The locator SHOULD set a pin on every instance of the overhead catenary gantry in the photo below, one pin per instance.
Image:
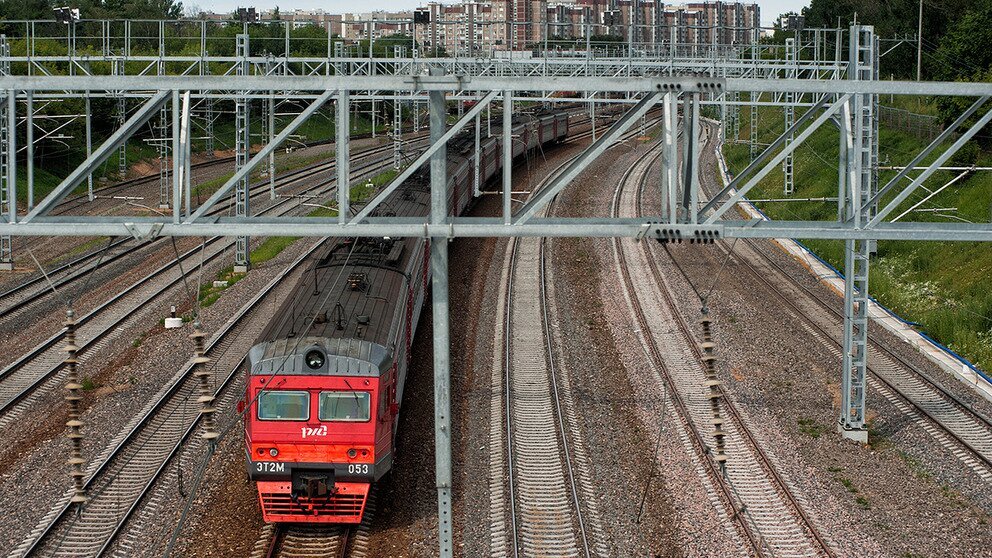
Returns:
(844, 97)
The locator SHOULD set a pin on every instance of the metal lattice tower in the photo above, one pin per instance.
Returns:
(162, 144)
(753, 124)
(120, 114)
(242, 143)
(6, 201)
(736, 118)
(208, 118)
(789, 109)
(397, 134)
(268, 129)
(861, 187)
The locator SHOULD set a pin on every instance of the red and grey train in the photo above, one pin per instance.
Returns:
(325, 379)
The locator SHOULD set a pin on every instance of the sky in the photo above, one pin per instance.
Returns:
(769, 8)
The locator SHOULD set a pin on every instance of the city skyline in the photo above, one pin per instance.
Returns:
(770, 9)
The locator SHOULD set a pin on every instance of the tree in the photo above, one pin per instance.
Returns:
(13, 10)
(891, 19)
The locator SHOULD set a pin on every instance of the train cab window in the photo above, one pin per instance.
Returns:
(283, 405)
(345, 406)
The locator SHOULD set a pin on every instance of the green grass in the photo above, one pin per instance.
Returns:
(271, 248)
(209, 294)
(943, 287)
(811, 428)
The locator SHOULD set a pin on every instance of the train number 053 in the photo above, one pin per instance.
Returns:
(358, 468)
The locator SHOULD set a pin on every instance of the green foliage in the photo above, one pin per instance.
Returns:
(891, 18)
(13, 10)
(811, 428)
(942, 287)
(271, 248)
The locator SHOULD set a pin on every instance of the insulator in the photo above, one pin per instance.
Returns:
(74, 398)
(712, 384)
(200, 371)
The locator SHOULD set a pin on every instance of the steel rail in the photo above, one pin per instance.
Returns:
(933, 384)
(965, 409)
(658, 364)
(257, 190)
(562, 433)
(33, 384)
(169, 396)
(730, 406)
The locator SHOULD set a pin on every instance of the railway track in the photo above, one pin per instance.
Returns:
(951, 421)
(22, 381)
(37, 289)
(124, 474)
(120, 477)
(552, 508)
(316, 541)
(775, 523)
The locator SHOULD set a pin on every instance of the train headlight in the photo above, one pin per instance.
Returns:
(273, 452)
(352, 453)
(315, 359)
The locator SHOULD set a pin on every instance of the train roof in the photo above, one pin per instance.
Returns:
(347, 299)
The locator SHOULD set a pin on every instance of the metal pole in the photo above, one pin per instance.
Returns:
(272, 127)
(242, 254)
(89, 145)
(177, 160)
(919, 44)
(439, 303)
(12, 152)
(507, 155)
(29, 113)
(478, 138)
(341, 141)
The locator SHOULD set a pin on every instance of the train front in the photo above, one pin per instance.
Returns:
(311, 429)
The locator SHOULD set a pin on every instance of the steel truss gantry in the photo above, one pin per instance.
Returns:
(862, 210)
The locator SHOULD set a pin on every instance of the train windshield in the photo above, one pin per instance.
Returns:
(283, 405)
(345, 406)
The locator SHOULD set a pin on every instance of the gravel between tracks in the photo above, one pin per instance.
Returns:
(35, 474)
(902, 495)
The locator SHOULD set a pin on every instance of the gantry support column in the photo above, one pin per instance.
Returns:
(861, 187)
(8, 200)
(121, 115)
(397, 133)
(755, 97)
(670, 158)
(242, 144)
(162, 144)
(439, 302)
(790, 116)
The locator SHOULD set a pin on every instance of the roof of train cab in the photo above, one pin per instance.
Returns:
(337, 357)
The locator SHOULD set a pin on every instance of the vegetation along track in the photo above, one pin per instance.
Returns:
(21, 382)
(775, 521)
(122, 475)
(956, 425)
(552, 508)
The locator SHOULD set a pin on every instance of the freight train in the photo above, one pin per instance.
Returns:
(325, 379)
